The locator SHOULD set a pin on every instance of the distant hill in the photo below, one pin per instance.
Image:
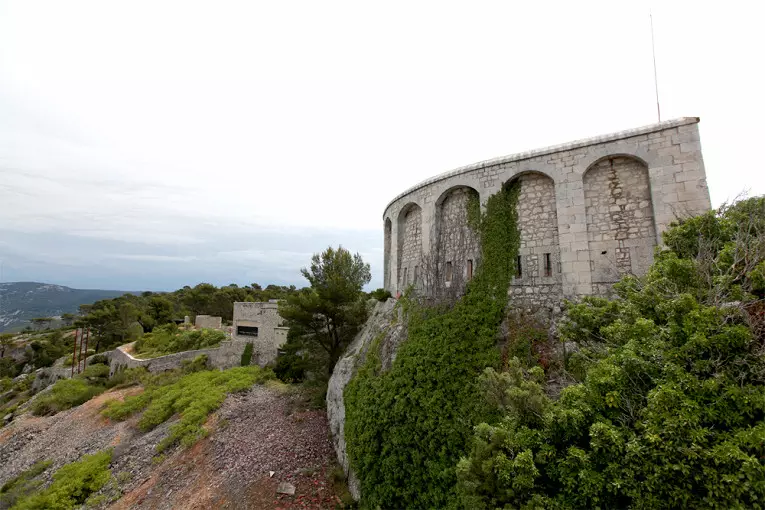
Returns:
(21, 301)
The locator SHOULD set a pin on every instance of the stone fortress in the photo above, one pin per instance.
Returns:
(590, 211)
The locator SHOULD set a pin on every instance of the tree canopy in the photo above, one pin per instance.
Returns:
(329, 313)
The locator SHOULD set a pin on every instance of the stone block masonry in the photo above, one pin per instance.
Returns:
(261, 325)
(589, 211)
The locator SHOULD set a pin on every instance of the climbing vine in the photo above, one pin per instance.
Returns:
(407, 428)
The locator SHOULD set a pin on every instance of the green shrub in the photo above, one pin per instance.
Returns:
(407, 428)
(125, 377)
(670, 412)
(65, 394)
(168, 339)
(380, 294)
(22, 485)
(247, 355)
(72, 484)
(98, 359)
(193, 396)
(195, 365)
(292, 362)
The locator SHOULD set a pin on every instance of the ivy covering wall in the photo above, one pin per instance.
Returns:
(407, 428)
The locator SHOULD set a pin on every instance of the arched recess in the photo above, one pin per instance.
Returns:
(386, 253)
(409, 244)
(457, 245)
(620, 224)
(538, 280)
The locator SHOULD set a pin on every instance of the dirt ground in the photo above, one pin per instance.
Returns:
(257, 440)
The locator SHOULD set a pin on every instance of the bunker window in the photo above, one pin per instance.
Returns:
(448, 271)
(470, 269)
(247, 330)
(548, 265)
(518, 270)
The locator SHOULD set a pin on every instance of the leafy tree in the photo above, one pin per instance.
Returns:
(67, 318)
(331, 311)
(670, 408)
(42, 322)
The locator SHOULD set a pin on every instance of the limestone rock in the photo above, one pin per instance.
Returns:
(380, 321)
(285, 488)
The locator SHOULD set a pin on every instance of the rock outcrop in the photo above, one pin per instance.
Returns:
(381, 324)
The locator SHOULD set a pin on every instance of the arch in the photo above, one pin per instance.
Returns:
(386, 252)
(595, 156)
(528, 171)
(621, 233)
(443, 196)
(539, 252)
(409, 243)
(457, 245)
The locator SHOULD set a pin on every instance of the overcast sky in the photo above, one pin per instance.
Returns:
(151, 145)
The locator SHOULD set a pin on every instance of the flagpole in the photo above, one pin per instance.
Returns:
(655, 78)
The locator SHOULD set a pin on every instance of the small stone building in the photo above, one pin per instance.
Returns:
(208, 321)
(261, 325)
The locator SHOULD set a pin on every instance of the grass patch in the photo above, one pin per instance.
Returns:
(23, 485)
(194, 396)
(169, 339)
(72, 484)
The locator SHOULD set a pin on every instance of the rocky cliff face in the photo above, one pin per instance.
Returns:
(380, 322)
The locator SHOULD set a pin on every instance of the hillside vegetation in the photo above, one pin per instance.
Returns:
(664, 408)
(169, 339)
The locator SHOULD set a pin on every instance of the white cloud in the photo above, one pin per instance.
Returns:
(183, 124)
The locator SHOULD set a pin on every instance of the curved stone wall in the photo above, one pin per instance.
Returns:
(590, 211)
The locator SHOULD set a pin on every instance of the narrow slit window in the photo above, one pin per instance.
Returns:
(406, 277)
(416, 274)
(470, 269)
(548, 265)
(448, 271)
(518, 269)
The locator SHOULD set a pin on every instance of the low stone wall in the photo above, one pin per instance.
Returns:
(228, 355)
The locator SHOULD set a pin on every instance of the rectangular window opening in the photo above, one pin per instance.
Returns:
(406, 277)
(548, 265)
(448, 271)
(518, 270)
(470, 269)
(416, 274)
(247, 330)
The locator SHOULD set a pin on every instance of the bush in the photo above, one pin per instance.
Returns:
(72, 484)
(292, 363)
(98, 359)
(670, 412)
(380, 294)
(65, 394)
(168, 339)
(193, 396)
(124, 377)
(22, 485)
(406, 428)
(247, 355)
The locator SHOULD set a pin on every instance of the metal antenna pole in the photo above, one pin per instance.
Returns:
(655, 76)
